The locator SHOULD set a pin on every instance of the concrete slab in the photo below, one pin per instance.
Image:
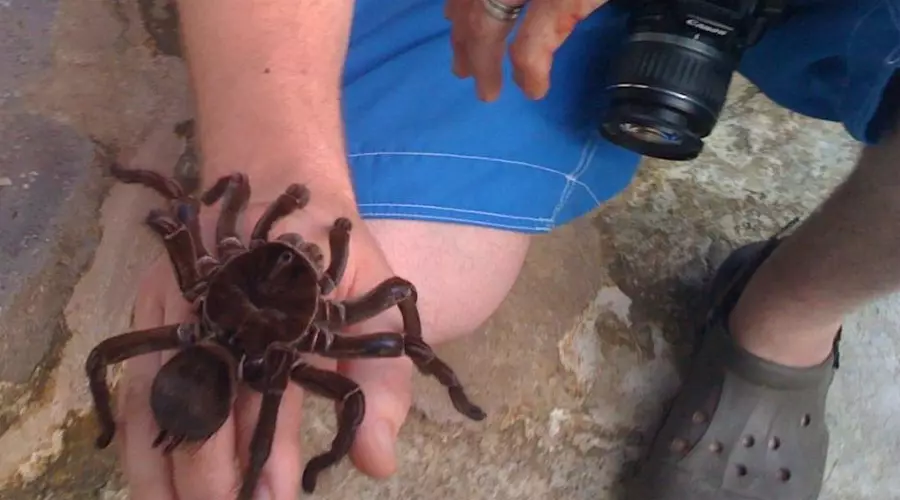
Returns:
(48, 203)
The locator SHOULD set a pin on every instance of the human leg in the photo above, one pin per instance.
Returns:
(462, 274)
(845, 254)
(749, 420)
(454, 186)
(451, 187)
(841, 258)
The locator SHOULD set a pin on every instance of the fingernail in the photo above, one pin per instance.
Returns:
(263, 492)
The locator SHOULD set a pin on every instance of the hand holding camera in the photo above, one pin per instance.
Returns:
(668, 84)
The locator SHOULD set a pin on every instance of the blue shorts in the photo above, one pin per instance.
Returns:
(423, 147)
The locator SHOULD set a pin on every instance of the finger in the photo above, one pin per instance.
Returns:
(205, 470)
(485, 47)
(451, 7)
(460, 62)
(281, 473)
(147, 472)
(387, 385)
(458, 34)
(545, 27)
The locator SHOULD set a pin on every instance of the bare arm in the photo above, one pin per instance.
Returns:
(266, 76)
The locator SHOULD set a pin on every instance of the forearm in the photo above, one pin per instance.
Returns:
(266, 78)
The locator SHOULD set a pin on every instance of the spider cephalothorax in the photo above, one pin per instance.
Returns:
(261, 306)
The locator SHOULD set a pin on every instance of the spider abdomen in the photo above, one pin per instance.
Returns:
(191, 395)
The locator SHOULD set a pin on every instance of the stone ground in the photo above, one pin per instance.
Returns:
(574, 369)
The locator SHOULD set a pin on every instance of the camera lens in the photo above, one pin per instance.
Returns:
(667, 94)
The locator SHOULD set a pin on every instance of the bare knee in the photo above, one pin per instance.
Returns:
(462, 273)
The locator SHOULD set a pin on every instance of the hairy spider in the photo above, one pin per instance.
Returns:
(261, 306)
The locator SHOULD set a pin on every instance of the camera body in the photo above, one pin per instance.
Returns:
(671, 78)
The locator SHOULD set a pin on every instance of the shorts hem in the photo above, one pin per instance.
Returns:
(390, 211)
(430, 187)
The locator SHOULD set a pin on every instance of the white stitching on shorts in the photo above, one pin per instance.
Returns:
(539, 223)
(874, 94)
(587, 155)
(460, 210)
(417, 216)
(475, 158)
(893, 7)
(860, 22)
(893, 56)
(563, 196)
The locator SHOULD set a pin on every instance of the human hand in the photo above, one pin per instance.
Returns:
(479, 41)
(215, 470)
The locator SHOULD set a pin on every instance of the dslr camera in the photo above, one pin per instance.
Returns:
(670, 80)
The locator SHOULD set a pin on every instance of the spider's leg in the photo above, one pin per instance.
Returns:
(186, 208)
(172, 444)
(295, 197)
(180, 246)
(277, 372)
(163, 185)
(234, 190)
(429, 363)
(390, 292)
(399, 292)
(216, 191)
(188, 212)
(339, 241)
(352, 405)
(261, 443)
(119, 348)
(163, 434)
(336, 346)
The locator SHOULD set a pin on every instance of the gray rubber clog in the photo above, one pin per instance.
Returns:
(740, 427)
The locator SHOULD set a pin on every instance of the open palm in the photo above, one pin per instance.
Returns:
(216, 469)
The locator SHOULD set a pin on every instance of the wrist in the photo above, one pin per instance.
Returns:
(330, 197)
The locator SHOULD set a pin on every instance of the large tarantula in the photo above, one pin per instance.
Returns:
(260, 307)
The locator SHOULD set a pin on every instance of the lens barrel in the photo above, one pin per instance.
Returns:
(667, 95)
(671, 79)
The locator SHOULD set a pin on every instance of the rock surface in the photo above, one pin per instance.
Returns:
(574, 368)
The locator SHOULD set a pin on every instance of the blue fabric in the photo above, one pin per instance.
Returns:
(422, 147)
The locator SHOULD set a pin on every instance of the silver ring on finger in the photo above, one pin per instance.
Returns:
(500, 11)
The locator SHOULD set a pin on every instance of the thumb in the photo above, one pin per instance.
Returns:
(386, 383)
(387, 386)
